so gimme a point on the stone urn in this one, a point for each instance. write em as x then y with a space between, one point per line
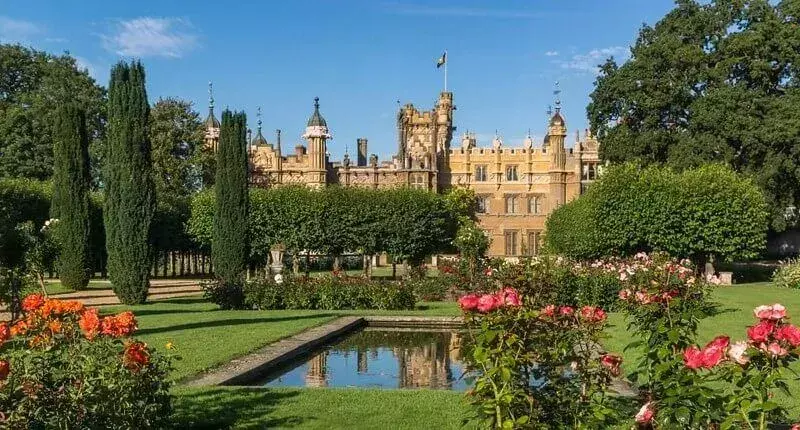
277 259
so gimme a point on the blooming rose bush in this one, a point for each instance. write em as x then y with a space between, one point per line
64 366
537 365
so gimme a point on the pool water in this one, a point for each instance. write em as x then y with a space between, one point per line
380 358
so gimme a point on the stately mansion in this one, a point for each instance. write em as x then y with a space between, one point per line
516 187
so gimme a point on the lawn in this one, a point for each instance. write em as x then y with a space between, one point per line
206 337
55 287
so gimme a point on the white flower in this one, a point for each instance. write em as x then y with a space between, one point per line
278 278
737 352
47 223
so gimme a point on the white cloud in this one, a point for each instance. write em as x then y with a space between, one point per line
15 30
551 53
589 62
84 64
151 37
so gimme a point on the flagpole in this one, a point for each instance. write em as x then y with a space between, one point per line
445 70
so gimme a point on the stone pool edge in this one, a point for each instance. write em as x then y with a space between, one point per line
240 371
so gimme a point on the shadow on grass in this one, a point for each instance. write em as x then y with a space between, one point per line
227 322
222 408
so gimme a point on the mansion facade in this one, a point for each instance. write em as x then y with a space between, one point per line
516 187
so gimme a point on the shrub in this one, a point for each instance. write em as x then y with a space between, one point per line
788 274
432 289
327 292
226 294
64 366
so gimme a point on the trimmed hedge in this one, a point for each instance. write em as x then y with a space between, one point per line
694 214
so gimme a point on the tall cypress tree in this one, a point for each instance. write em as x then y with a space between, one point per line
130 194
230 242
70 202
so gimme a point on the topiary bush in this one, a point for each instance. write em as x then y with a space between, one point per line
65 366
788 274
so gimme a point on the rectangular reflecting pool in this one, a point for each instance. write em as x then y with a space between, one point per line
378 357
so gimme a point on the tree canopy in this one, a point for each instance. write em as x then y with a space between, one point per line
714 81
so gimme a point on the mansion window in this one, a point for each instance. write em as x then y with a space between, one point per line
535 204
482 205
480 173
589 172
511 242
417 181
511 173
512 204
534 243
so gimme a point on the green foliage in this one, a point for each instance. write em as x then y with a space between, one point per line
226 294
70 203
788 274
709 211
176 134
328 293
129 191
710 82
32 86
21 200
230 234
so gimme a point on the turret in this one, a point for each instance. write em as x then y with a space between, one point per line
211 137
317 135
259 140
556 134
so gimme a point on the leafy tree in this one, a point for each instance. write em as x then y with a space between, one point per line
32 85
176 134
710 82
70 203
130 194
705 213
230 236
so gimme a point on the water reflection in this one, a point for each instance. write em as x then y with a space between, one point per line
381 358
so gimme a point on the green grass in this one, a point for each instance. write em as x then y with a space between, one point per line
318 408
205 336
55 287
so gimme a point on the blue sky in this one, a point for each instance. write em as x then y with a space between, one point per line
358 56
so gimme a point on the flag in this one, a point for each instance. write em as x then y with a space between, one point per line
440 62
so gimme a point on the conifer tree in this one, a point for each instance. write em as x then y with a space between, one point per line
70 204
130 195
230 242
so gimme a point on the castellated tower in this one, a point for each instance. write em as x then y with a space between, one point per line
424 140
556 134
317 135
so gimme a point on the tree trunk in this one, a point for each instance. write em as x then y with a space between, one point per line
394 269
337 263
308 263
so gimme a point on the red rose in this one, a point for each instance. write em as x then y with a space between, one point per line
136 356
645 414
548 311
468 303
488 303
5 369
693 357
721 342
761 331
32 302
593 314
611 362
712 356
788 333
5 332
566 311
509 297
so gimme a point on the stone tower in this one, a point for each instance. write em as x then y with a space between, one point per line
556 134
317 136
362 152
211 123
424 137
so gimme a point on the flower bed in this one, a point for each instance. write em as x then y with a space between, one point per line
65 366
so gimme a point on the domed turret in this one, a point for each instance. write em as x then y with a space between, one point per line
316 119
259 140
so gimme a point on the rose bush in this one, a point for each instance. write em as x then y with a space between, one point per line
64 366
537 364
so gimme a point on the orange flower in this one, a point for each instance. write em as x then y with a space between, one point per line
72 307
5 332
32 302
39 340
89 323
19 327
59 307
5 369
119 325
55 326
136 355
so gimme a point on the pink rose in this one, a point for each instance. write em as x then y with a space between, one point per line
738 352
761 331
643 298
488 303
566 311
548 311
509 297
788 333
625 294
593 314
611 362
770 312
645 414
775 349
720 342
712 356
468 303
693 357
